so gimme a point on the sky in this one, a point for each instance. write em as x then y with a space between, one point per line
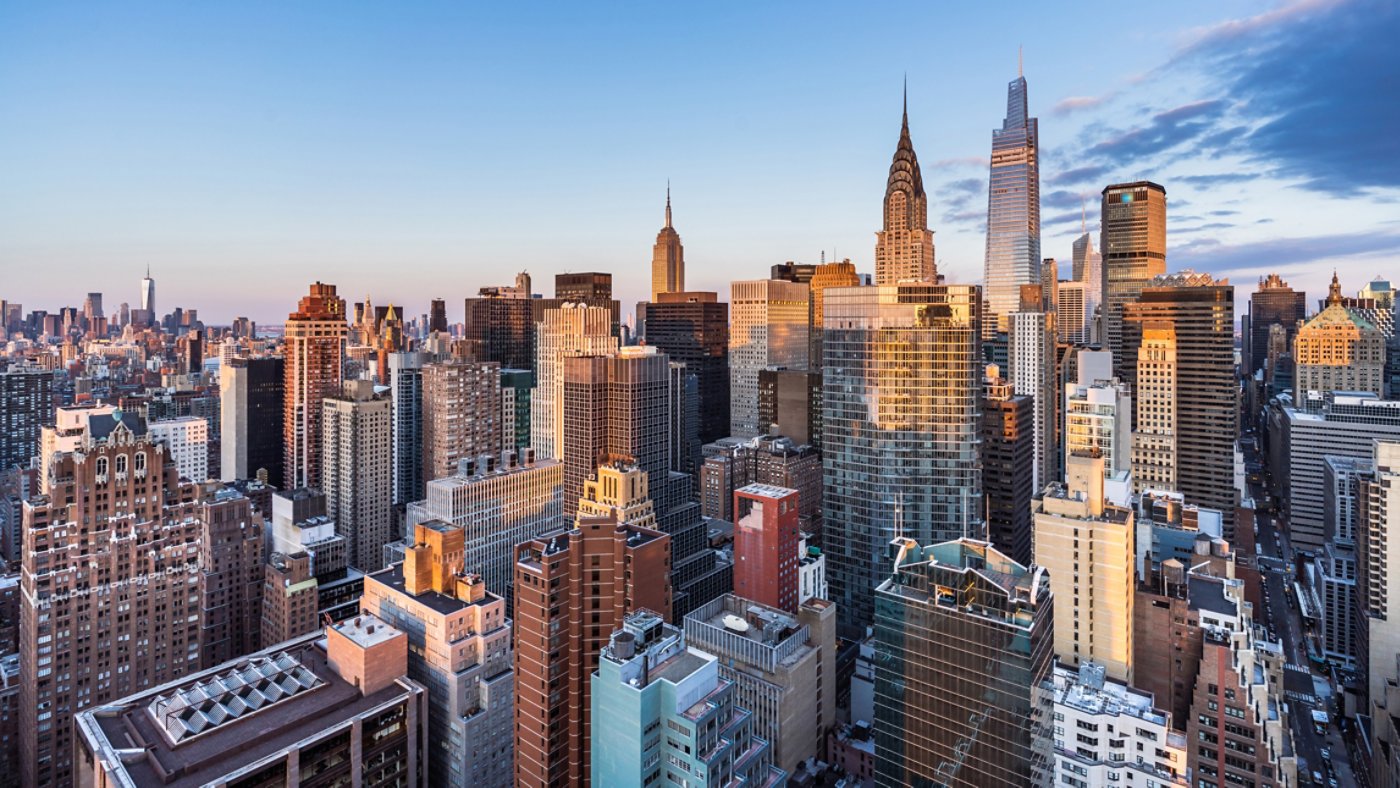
424 150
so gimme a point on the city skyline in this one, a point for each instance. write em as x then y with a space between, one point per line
281 165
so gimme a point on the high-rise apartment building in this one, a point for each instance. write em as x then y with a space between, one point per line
516 385
1379 509
1104 728
964 651
357 465
290 598
186 442
783 668
569 330
252 397
766 543
572 589
498 501
1098 415
1087 546
1338 350
1134 249
648 680
1008 460
332 707
904 248
1013 213
461 414
313 357
1234 713
110 580
406 424
26 405
1274 303
900 429
500 325
1201 312
1338 563
1154 456
693 328
1073 318
768 329
231 577
459 648
1035 374
667 258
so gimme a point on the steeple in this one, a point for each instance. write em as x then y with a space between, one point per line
906 101
668 202
1334 291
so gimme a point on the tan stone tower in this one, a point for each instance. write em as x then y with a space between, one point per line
667 258
904 251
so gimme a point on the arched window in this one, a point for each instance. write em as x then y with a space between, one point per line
141 462
101 467
121 463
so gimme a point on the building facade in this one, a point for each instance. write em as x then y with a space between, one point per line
904 248
186 442
461 414
667 258
357 469
1338 350
1273 303
1013 212
1008 459
693 328
569 330
313 357
252 396
768 328
1133 246
26 405
766 546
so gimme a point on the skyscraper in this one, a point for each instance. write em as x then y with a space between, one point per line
667 258
231 577
148 297
1338 350
500 325
904 249
1034 374
1273 303
768 329
1098 415
766 545
901 391
1087 546
1154 442
252 396
461 414
1201 312
313 361
1008 462
963 668
1088 270
437 315
1073 321
693 328
1013 212
460 649
569 330
1134 249
358 463
842 274
26 405
406 424
572 589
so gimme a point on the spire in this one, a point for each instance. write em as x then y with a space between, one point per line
1083 216
148 270
1020 61
906 101
668 202
1334 291
904 170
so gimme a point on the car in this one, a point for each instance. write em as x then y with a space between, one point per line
1317 777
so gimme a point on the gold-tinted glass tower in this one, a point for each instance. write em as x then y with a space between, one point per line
1134 249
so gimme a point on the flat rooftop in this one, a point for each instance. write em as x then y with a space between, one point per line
438 603
366 630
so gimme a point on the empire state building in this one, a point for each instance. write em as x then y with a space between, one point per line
904 249
667 258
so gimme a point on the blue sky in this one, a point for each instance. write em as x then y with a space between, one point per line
413 151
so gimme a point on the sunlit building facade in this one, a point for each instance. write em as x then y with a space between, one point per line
1013 212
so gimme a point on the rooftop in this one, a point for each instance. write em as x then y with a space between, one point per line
1094 694
438 603
766 491
366 630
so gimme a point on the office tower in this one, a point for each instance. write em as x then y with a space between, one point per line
1088 271
1234 712
1299 440
461 414
459 648
1050 285
693 328
1154 454
667 258
515 408
569 330
1087 546
966 650
1013 213
683 421
1378 510
1201 312
109 574
313 356
186 441
406 424
900 429
1274 303
783 668
592 288
1104 727
1072 319
768 329
1338 350
790 404
1034 374
92 310
793 272
26 405
1098 415
359 471
251 401
904 249
437 315
572 588
842 274
620 491
148 297
231 577
498 502
1337 564
766 545
500 325
648 680
1008 461
298 713
1134 250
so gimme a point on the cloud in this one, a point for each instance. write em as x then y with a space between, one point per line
1092 173
1243 258
1216 179
1166 130
1072 104
959 162
967 186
